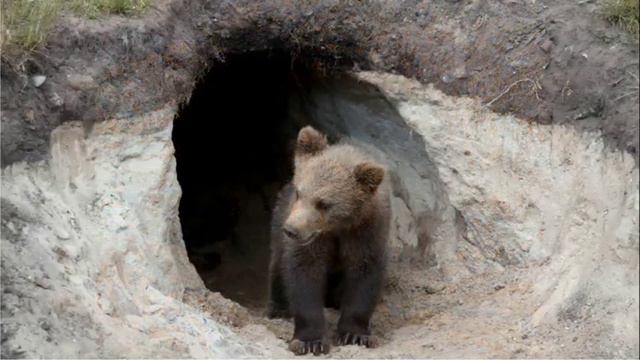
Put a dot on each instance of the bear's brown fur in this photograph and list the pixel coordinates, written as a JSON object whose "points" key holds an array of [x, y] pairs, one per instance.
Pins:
{"points": [[328, 243]]}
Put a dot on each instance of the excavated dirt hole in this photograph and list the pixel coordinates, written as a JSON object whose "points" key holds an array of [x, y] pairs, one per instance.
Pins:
{"points": [[232, 144]]}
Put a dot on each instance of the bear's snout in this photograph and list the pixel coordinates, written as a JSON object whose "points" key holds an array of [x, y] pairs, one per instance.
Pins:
{"points": [[291, 232], [304, 223], [302, 238]]}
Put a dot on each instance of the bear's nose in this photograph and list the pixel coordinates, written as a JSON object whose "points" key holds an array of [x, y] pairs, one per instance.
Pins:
{"points": [[290, 232]]}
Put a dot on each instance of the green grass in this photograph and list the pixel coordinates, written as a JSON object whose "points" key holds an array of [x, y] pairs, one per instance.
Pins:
{"points": [[26, 23], [624, 13], [94, 8]]}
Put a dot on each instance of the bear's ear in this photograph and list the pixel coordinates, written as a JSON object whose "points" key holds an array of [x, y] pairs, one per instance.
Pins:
{"points": [[369, 175], [310, 142]]}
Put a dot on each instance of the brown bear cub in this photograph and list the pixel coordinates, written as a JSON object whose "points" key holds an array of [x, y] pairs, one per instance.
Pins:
{"points": [[328, 243]]}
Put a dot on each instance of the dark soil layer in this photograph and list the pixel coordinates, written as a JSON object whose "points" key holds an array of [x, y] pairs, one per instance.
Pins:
{"points": [[560, 61]]}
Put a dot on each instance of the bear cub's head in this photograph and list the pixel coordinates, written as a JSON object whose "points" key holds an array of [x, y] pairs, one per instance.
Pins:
{"points": [[334, 187]]}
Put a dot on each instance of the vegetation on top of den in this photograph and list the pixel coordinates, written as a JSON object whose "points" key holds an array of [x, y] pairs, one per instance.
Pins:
{"points": [[624, 13], [26, 23]]}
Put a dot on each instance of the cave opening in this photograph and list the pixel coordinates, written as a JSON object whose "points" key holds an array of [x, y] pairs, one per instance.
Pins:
{"points": [[233, 140]]}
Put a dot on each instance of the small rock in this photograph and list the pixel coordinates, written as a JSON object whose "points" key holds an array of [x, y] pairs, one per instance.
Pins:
{"points": [[81, 82], [375, 58], [44, 324], [498, 287], [30, 116], [446, 79], [546, 45], [461, 72], [11, 227], [56, 100], [62, 234], [43, 283], [38, 80], [434, 289]]}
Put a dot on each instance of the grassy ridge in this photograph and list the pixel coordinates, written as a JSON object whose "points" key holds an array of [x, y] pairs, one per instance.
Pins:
{"points": [[26, 23], [624, 13]]}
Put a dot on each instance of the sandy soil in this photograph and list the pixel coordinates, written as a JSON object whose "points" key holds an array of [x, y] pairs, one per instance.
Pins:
{"points": [[481, 316]]}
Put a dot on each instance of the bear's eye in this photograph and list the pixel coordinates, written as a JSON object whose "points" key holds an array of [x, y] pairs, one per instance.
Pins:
{"points": [[322, 205]]}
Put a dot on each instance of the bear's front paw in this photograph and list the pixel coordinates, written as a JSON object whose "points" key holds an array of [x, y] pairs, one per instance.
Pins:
{"points": [[316, 347], [347, 338]]}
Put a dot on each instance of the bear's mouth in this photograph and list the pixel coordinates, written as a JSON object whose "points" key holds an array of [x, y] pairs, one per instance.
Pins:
{"points": [[310, 239]]}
